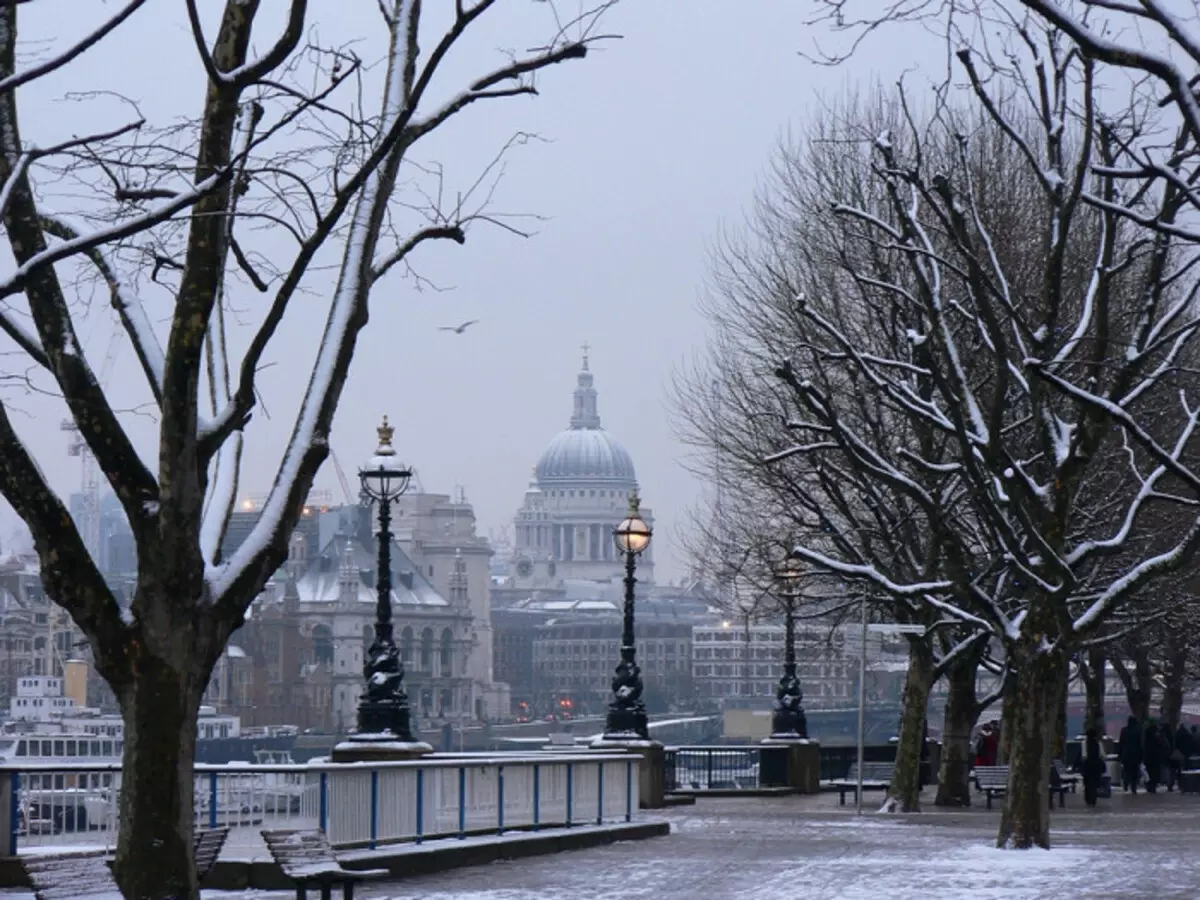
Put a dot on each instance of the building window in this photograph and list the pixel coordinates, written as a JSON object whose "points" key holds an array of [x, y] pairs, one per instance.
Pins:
{"points": [[427, 651], [447, 652]]}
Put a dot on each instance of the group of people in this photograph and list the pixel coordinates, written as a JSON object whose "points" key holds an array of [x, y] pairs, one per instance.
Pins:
{"points": [[1150, 754], [1154, 754]]}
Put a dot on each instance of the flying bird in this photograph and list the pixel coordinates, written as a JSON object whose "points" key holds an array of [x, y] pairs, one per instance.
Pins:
{"points": [[458, 329]]}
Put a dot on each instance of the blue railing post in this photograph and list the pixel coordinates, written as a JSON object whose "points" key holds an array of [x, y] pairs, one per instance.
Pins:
{"points": [[323, 804], [599, 793], [462, 802], [499, 799], [212, 799], [629, 791], [570, 790], [537, 785], [420, 802], [374, 807], [14, 811]]}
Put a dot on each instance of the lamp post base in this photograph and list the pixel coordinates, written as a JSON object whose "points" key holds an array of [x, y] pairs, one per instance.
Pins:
{"points": [[381, 747], [788, 724], [626, 724]]}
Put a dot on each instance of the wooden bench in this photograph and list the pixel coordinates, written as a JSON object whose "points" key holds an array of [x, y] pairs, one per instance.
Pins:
{"points": [[207, 848], [87, 875], [71, 876], [993, 782], [877, 776], [1066, 777], [306, 857]]}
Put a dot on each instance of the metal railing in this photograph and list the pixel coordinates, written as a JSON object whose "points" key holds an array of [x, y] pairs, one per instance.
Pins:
{"points": [[356, 804], [716, 768]]}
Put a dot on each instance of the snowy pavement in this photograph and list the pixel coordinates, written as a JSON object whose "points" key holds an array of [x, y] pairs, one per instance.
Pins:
{"points": [[805, 847]]}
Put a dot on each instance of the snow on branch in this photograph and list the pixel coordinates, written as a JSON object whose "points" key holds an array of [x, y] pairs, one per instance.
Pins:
{"points": [[130, 308]]}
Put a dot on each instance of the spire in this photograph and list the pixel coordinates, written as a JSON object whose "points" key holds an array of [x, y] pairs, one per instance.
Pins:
{"points": [[585, 415]]}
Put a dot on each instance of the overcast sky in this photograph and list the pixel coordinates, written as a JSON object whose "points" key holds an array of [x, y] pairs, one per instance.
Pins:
{"points": [[652, 146]]}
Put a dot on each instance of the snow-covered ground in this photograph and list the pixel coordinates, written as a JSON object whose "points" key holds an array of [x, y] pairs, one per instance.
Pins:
{"points": [[787, 848]]}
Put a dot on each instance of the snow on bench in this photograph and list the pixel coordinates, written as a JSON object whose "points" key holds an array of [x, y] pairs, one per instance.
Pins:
{"points": [[993, 782], [87, 876], [75, 876], [306, 857], [877, 776]]}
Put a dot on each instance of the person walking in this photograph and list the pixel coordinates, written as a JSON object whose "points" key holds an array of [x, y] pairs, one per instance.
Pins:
{"points": [[1091, 766], [1183, 744], [1152, 758], [1172, 756], [1129, 750]]}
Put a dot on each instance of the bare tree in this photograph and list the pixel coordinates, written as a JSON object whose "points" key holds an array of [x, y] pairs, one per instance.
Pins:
{"points": [[281, 144], [1039, 348], [1023, 328], [733, 407]]}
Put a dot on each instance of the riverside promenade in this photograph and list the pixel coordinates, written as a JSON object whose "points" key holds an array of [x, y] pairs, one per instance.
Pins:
{"points": [[789, 847]]}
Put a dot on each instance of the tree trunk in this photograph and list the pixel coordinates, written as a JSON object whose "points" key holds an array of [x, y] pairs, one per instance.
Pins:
{"points": [[1171, 707], [1138, 686], [154, 848], [905, 790], [1058, 743], [962, 711], [1030, 706], [1093, 679]]}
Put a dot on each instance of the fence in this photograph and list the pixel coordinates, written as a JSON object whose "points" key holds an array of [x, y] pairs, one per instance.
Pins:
{"points": [[356, 804], [753, 766], [717, 767]]}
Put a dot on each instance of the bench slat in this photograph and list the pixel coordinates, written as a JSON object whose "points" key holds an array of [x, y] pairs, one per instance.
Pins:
{"points": [[71, 877], [306, 856]]}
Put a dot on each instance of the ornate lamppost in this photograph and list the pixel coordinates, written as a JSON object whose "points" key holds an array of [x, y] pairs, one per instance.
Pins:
{"points": [[626, 711], [788, 721], [384, 724]]}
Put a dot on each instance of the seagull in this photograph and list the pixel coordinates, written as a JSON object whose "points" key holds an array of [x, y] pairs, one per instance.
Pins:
{"points": [[458, 329]]}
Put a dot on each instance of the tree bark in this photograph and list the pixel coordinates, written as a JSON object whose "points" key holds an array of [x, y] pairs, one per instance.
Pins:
{"points": [[962, 711], [1058, 743], [1031, 705], [1171, 707], [154, 848], [905, 790], [1138, 686], [1093, 680]]}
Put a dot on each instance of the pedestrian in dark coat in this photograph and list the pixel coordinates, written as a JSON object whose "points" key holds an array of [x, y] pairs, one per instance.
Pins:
{"points": [[1152, 758], [1091, 766], [1183, 743], [1129, 749]]}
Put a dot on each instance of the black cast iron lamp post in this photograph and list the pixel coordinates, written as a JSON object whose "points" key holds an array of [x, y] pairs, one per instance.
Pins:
{"points": [[383, 713], [788, 721], [626, 711]]}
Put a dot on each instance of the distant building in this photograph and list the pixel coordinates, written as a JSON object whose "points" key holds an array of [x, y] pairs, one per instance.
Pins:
{"points": [[579, 492], [243, 519], [574, 660]]}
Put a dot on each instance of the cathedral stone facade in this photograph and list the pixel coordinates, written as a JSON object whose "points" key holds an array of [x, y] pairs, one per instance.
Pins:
{"points": [[579, 492]]}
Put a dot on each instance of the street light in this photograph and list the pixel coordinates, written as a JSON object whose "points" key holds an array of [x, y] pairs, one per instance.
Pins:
{"points": [[383, 713], [626, 711], [788, 721]]}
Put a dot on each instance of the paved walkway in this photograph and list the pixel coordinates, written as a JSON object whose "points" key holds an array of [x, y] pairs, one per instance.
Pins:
{"points": [[788, 848], [800, 847]]}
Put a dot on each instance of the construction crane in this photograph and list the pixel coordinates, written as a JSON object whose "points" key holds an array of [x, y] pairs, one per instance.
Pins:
{"points": [[89, 483], [351, 500]]}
